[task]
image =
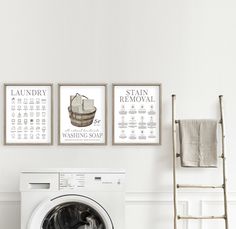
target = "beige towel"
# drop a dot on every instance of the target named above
(198, 143)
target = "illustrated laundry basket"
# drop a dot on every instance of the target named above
(81, 110)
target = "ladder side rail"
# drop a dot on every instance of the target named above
(223, 158)
(174, 161)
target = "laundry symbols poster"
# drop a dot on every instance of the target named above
(82, 114)
(137, 114)
(28, 114)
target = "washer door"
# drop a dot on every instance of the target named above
(70, 212)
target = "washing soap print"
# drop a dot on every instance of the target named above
(82, 114)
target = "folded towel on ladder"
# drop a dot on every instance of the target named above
(198, 143)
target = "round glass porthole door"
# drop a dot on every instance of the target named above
(73, 215)
(70, 212)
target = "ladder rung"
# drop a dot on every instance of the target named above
(178, 121)
(221, 156)
(201, 217)
(199, 186)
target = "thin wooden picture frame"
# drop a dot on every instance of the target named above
(103, 115)
(47, 127)
(122, 120)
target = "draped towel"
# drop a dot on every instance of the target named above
(198, 143)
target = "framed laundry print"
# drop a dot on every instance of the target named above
(28, 114)
(82, 114)
(136, 114)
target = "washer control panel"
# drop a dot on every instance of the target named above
(71, 180)
(103, 181)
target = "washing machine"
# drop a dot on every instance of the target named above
(72, 199)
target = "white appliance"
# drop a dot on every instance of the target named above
(72, 199)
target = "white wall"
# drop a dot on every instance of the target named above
(188, 46)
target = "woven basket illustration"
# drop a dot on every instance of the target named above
(83, 117)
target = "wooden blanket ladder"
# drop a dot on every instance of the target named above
(176, 186)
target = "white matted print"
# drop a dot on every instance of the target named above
(137, 114)
(82, 111)
(28, 114)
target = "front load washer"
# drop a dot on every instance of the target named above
(72, 199)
